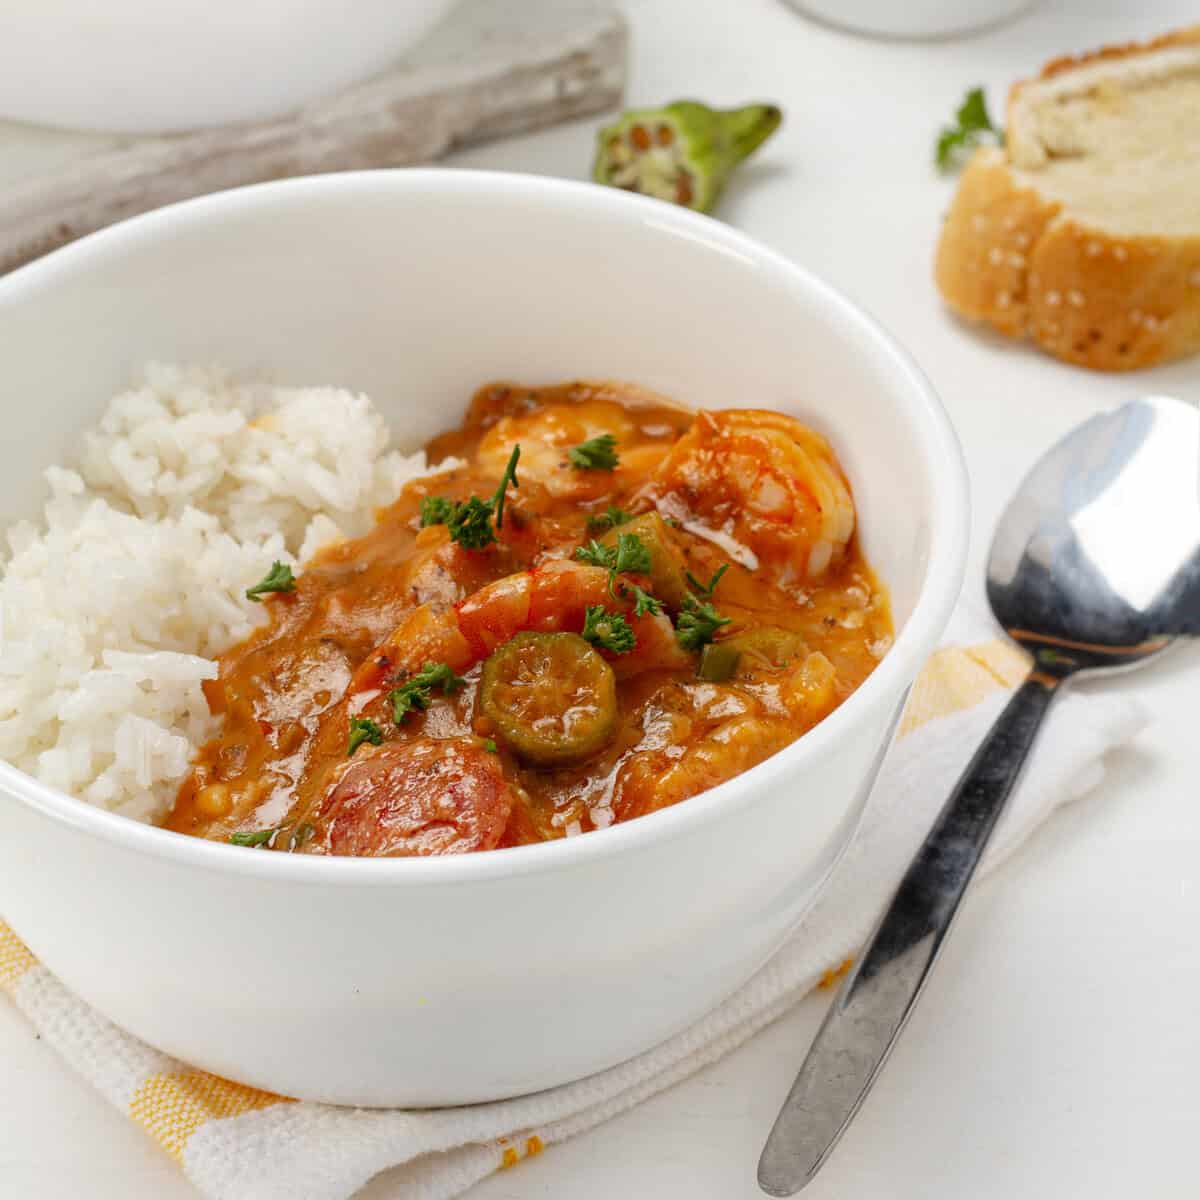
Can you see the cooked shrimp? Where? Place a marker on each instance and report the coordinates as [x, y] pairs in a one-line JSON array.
[[552, 598], [440, 573], [763, 487], [545, 436]]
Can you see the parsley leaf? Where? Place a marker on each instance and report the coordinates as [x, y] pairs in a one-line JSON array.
[[608, 630], [696, 624], [490, 746], [509, 476], [433, 675], [363, 729], [631, 555], [706, 589], [595, 554], [278, 579], [258, 837], [596, 454], [609, 519], [414, 694], [973, 126], [644, 603], [470, 521], [435, 510], [470, 524]]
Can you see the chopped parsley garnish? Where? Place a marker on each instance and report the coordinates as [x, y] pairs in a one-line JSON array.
[[595, 554], [706, 589], [608, 630], [414, 694], [490, 746], [278, 579], [973, 125], [596, 454], [435, 510], [628, 555], [609, 519], [509, 476], [470, 524], [631, 555], [363, 729], [696, 624], [258, 838], [644, 603], [470, 521]]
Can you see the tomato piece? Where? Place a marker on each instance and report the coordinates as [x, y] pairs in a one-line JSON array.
[[550, 696], [421, 797]]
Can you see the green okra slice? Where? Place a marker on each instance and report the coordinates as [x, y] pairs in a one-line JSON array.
[[684, 152]]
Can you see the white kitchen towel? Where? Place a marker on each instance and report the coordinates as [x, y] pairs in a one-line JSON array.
[[236, 1143]]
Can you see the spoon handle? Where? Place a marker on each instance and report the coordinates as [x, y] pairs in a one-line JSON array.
[[874, 1002]]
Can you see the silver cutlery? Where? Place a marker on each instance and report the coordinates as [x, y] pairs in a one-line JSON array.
[[1095, 567]]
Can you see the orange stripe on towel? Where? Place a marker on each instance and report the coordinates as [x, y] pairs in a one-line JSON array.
[[15, 958], [510, 1155], [172, 1107]]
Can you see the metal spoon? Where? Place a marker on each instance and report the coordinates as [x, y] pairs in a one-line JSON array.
[[1095, 567]]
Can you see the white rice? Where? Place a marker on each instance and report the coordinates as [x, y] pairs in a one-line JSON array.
[[112, 607]]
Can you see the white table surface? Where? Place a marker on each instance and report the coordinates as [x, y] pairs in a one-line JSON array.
[[1055, 1053]]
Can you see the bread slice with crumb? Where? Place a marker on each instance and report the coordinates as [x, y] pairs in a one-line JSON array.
[[1083, 231]]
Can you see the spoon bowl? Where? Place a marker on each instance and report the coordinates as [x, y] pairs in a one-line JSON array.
[[1095, 564]]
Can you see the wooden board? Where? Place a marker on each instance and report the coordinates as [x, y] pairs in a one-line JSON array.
[[495, 67]]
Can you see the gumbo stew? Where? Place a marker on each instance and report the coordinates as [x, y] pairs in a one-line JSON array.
[[600, 606]]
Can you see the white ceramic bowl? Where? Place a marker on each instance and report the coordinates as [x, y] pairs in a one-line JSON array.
[[442, 981], [154, 66]]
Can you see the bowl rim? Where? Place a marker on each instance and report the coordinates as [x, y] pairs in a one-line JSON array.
[[919, 404]]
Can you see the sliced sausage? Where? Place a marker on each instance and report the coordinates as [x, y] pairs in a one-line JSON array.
[[418, 797]]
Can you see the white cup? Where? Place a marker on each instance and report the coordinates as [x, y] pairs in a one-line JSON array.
[[912, 18]]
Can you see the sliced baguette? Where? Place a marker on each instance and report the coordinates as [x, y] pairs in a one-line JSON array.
[[1083, 232]]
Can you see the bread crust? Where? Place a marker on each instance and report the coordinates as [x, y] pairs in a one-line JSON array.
[[1188, 36], [1016, 260]]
